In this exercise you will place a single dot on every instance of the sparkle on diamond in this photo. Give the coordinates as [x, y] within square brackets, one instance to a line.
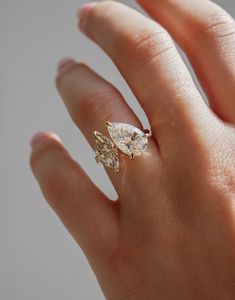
[129, 139]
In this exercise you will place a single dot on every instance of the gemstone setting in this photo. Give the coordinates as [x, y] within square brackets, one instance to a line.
[106, 151]
[129, 139]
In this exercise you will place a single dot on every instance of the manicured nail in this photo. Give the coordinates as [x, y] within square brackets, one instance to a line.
[41, 136]
[83, 10]
[64, 63]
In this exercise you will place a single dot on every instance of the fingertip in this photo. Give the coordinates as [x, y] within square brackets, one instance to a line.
[47, 154]
[41, 136]
[84, 9]
[64, 63]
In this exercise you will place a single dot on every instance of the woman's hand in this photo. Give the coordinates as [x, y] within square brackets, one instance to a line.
[171, 232]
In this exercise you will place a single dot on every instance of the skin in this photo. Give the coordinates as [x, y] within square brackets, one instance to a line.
[171, 232]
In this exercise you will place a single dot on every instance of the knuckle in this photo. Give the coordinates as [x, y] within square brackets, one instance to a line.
[147, 46]
[220, 177]
[213, 156]
[101, 103]
[221, 167]
[217, 25]
[58, 187]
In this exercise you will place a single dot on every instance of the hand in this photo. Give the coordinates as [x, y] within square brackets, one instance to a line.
[171, 232]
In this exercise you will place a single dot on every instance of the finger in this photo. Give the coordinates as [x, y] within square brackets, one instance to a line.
[147, 57]
[207, 34]
[87, 213]
[91, 101]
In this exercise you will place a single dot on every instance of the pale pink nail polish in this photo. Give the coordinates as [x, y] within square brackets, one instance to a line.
[64, 63]
[41, 136]
[84, 9]
[37, 138]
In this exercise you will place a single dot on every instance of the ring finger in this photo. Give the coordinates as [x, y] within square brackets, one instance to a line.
[91, 101]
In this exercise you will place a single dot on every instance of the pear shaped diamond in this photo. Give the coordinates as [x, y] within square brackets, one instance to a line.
[129, 139]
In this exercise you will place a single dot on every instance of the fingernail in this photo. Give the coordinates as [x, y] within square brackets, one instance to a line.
[41, 136]
[83, 10]
[64, 63]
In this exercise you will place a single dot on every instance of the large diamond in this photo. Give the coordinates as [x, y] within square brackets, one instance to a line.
[129, 139]
[105, 151]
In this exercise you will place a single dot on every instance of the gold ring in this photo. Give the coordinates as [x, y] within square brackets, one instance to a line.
[128, 139]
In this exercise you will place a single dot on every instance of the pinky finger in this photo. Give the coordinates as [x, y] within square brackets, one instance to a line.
[85, 211]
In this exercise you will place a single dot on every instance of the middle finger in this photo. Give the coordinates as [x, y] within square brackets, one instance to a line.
[148, 59]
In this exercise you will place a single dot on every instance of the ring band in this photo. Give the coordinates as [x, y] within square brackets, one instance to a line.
[126, 138]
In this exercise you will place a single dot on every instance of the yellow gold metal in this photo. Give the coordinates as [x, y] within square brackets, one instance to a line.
[106, 151]
[97, 136]
[146, 133]
[108, 124]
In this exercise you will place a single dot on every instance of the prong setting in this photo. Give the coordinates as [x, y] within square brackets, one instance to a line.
[108, 124]
[146, 132]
